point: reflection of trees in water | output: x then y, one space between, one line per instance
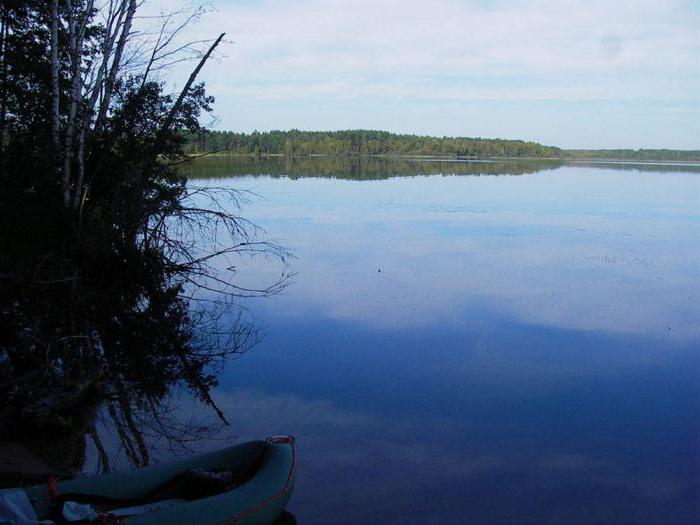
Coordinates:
355 168
111 274
113 332
374 168
638 166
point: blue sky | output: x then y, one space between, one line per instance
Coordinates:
594 73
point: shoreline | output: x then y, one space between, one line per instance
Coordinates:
442 158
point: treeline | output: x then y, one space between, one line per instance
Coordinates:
361 142
296 143
672 155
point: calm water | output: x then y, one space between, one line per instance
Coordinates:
483 349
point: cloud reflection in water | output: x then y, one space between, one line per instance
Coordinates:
482 349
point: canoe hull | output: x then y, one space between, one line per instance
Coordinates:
259 501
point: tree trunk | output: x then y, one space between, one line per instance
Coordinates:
55 121
75 122
72 111
116 64
114 20
78 194
4 28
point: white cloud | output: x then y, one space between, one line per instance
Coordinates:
396 65
453 49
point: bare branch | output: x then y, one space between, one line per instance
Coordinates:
176 107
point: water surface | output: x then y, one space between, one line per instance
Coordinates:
464 347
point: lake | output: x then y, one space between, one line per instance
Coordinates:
475 342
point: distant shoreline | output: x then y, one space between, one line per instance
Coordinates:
443 158
383 144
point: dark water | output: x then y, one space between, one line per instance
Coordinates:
478 349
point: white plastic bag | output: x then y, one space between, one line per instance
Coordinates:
16 509
73 511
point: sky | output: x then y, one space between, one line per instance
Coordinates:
570 73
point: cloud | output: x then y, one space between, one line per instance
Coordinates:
460 67
538 49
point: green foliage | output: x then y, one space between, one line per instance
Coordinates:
361 142
669 155
372 143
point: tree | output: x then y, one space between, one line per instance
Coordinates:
100 252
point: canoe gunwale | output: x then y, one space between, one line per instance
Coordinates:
277 440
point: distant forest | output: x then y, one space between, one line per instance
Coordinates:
295 143
361 142
671 155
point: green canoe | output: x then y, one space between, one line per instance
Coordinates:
257 500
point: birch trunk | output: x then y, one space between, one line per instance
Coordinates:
55 120
116 64
75 122
78 193
73 108
114 20
4 29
